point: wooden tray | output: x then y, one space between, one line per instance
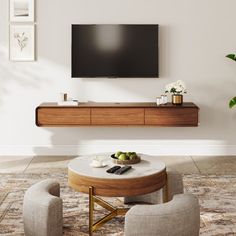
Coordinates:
125 162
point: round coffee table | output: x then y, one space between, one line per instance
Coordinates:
145 177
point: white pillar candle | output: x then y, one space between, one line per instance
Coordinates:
158 101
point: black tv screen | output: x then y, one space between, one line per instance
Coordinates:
115 51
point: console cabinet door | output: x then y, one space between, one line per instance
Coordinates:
171 117
63 116
117 116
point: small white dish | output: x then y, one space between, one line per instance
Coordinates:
98 166
98 162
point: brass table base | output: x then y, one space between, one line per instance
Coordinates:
113 211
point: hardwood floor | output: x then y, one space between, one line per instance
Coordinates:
183 164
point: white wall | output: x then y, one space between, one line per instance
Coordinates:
195 36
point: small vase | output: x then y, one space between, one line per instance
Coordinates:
177 99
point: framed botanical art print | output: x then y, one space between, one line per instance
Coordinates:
21 10
22 42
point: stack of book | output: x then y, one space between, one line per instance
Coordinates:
68 103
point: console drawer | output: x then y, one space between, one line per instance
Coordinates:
62 116
117 116
171 117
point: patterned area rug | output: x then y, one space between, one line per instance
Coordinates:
217 196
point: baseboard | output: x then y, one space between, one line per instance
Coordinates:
142 147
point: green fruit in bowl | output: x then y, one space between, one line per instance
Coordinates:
133 156
128 154
118 154
122 157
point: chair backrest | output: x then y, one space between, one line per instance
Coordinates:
174 184
42 209
179 217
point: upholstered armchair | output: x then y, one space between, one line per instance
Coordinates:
178 217
42 209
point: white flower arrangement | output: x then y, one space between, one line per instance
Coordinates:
177 87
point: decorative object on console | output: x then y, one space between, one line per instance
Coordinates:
65 101
177 99
63 97
177 89
158 101
162 100
68 103
232 102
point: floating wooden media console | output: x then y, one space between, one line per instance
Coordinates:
117 114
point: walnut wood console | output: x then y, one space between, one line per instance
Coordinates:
117 114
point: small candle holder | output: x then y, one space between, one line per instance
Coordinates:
164 99
158 101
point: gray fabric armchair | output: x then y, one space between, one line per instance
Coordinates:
42 209
179 217
174 186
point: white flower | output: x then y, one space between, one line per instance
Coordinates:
168 87
176 87
179 89
181 84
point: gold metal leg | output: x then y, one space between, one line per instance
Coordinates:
113 211
165 196
91 208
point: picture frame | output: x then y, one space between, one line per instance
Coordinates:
22 42
22 10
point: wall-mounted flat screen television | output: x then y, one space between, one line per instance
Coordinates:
123 51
